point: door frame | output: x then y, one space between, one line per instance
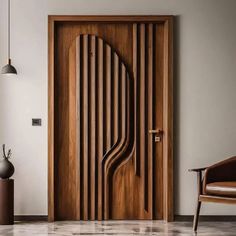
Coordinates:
168 209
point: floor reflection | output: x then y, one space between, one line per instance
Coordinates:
71 228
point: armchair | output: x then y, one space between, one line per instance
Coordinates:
218 185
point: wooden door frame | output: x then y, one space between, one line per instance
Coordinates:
168 210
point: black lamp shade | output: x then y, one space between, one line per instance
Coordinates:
9 69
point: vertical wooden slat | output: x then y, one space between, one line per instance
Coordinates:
150 117
81 121
108 97
100 127
85 126
92 107
142 112
116 98
78 134
123 97
136 92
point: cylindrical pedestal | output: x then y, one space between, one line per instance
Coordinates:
6 201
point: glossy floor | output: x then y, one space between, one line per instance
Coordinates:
71 228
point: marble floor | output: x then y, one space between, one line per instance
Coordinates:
71 228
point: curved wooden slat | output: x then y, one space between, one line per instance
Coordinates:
122 113
123 153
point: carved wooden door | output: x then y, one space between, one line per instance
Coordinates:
109 155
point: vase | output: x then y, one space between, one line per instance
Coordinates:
6 169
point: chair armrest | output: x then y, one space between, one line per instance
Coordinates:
197 169
199 178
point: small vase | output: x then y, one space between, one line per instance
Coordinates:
6 169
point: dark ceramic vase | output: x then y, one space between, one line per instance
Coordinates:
6 169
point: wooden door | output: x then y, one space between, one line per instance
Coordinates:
111 156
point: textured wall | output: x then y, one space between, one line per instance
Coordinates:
205 85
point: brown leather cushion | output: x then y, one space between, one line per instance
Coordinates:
227 188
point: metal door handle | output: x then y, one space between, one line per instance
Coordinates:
155 131
158 133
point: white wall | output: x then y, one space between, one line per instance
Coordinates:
205 85
23 98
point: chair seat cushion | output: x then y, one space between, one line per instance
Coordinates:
227 188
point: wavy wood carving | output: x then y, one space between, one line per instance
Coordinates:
103 122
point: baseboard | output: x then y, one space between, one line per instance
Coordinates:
187 218
31 218
181 218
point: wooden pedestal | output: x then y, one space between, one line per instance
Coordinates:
6 201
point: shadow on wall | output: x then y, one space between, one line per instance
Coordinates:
3 107
176 105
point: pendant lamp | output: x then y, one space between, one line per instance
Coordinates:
9 68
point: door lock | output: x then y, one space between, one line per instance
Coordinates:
158 134
157 139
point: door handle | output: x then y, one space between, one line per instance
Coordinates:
158 134
155 131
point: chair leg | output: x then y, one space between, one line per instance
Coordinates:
196 216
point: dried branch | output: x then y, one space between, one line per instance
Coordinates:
9 154
4 151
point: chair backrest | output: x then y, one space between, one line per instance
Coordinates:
221 171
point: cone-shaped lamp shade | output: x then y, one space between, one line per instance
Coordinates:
9 69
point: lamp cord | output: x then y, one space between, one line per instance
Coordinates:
9 35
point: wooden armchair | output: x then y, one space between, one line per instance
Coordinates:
218 185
